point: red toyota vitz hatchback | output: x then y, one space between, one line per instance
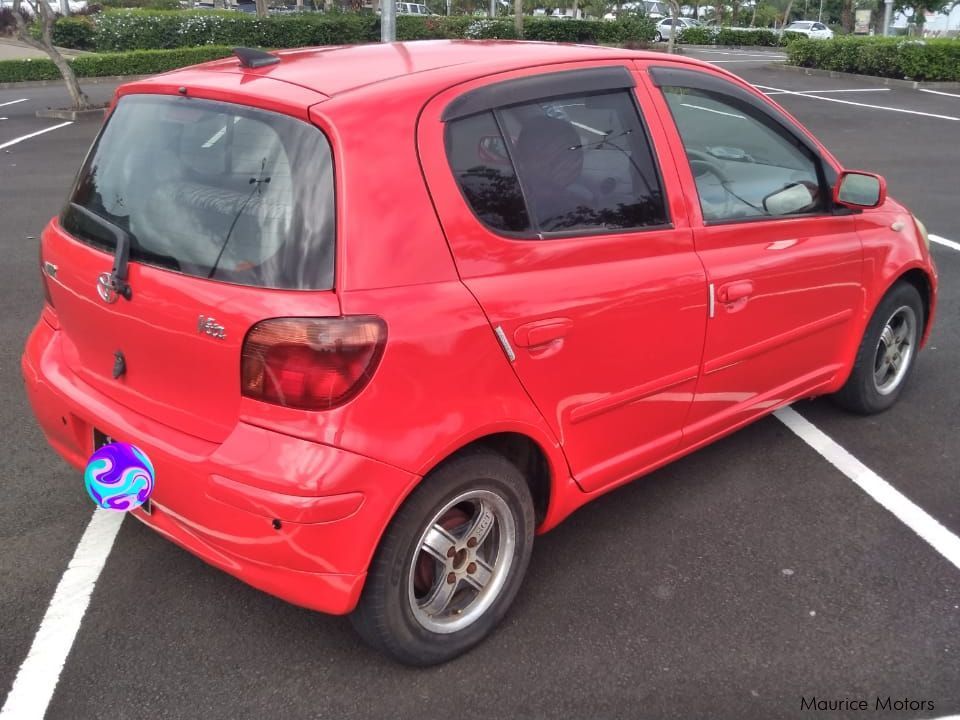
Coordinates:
379 314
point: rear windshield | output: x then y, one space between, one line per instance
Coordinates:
213 190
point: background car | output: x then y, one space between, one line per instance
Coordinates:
405 8
810 28
665 27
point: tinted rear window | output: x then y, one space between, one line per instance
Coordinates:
213 190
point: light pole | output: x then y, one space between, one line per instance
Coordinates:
388 20
493 8
887 13
820 12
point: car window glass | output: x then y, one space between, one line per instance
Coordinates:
739 158
211 189
667 22
482 167
585 163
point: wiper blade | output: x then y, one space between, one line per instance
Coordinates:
121 255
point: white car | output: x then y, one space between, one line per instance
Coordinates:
404 8
665 27
811 29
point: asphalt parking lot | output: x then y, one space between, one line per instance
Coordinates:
728 585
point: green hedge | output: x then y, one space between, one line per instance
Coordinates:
933 59
737 36
139 62
119 30
74 32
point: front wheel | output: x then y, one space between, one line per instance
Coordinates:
887 353
658 37
450 563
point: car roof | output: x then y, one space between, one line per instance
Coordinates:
339 69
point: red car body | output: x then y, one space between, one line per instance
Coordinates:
627 354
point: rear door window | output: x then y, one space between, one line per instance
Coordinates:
580 164
214 190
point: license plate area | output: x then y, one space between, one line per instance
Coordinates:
100 439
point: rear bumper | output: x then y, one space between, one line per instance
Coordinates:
294 518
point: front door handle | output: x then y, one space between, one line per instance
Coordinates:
734 291
541 332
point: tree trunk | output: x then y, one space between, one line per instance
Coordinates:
46 19
847 16
753 16
675 14
262 8
518 17
786 15
575 9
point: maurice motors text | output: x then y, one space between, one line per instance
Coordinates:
888 703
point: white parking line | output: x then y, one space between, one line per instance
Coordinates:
943 241
807 94
777 56
10 143
910 514
38 675
939 92
14 102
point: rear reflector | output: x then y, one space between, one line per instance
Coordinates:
43 277
311 363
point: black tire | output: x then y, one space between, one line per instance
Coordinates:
387 615
862 394
658 37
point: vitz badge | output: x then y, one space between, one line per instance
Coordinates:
209 326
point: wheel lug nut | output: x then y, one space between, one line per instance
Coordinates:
471 568
451 578
472 542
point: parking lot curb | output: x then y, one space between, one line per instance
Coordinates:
752 48
870 79
83 81
74 115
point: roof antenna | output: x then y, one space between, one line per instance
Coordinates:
253 58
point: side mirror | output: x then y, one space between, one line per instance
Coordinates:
788 200
857 189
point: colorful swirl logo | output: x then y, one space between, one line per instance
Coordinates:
119 477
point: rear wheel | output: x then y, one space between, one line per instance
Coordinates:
451 562
887 353
658 37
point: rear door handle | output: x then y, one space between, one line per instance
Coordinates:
734 291
541 332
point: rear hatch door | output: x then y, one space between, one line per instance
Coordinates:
229 215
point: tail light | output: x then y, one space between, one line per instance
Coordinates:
311 363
